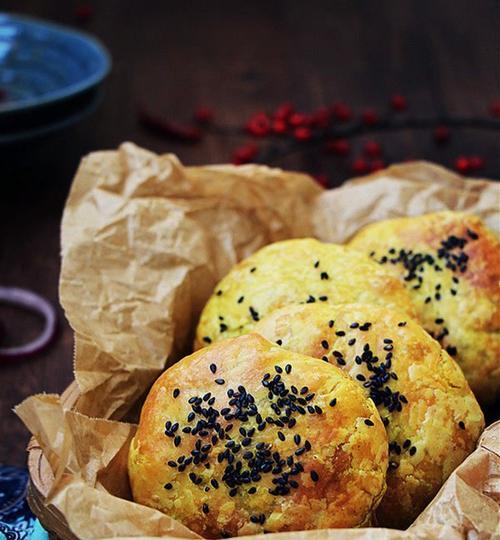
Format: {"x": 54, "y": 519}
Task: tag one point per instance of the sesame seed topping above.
{"x": 218, "y": 293}
{"x": 252, "y": 270}
{"x": 213, "y": 368}
{"x": 333, "y": 402}
{"x": 340, "y": 333}
{"x": 402, "y": 323}
{"x": 324, "y": 275}
{"x": 176, "y": 393}
{"x": 331, "y": 323}
{"x": 316, "y": 264}
{"x": 314, "y": 476}
{"x": 413, "y": 451}
{"x": 368, "y": 422}
{"x": 205, "y": 508}
{"x": 288, "y": 368}
{"x": 219, "y": 381}
{"x": 168, "y": 486}
{"x": 325, "y": 344}
{"x": 461, "y": 425}
{"x": 206, "y": 339}
{"x": 351, "y": 342}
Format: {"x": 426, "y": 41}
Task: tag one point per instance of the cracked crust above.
{"x": 348, "y": 445}
{"x": 441, "y": 419}
{"x": 293, "y": 272}
{"x": 469, "y": 301}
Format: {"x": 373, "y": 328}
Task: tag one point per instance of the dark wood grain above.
{"x": 238, "y": 58}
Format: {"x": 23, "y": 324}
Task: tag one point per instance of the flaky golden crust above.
{"x": 293, "y": 272}
{"x": 435, "y": 419}
{"x": 458, "y": 297}
{"x": 342, "y": 449}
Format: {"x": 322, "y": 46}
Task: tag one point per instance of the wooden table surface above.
{"x": 238, "y": 58}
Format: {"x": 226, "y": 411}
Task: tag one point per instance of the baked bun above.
{"x": 295, "y": 272}
{"x": 244, "y": 437}
{"x": 432, "y": 418}
{"x": 450, "y": 264}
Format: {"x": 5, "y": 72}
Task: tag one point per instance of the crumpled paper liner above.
{"x": 144, "y": 240}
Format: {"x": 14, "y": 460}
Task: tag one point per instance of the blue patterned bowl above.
{"x": 42, "y": 63}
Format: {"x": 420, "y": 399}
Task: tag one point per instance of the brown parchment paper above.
{"x": 144, "y": 240}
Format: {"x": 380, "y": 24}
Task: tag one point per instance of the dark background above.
{"x": 238, "y": 58}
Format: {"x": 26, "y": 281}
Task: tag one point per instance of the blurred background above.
{"x": 373, "y": 83}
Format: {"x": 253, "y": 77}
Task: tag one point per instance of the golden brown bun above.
{"x": 342, "y": 449}
{"x": 460, "y": 302}
{"x": 295, "y": 272}
{"x": 435, "y": 419}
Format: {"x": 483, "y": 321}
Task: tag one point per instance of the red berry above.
{"x": 359, "y": 166}
{"x": 370, "y": 117}
{"x": 376, "y": 165}
{"x": 284, "y": 111}
{"x": 84, "y": 12}
{"x": 322, "y": 117}
{"x": 259, "y": 125}
{"x": 298, "y": 119}
{"x": 476, "y": 163}
{"x": 342, "y": 112}
{"x": 462, "y": 164}
{"x": 245, "y": 154}
{"x": 204, "y": 115}
{"x": 442, "y": 134}
{"x": 322, "y": 179}
{"x": 279, "y": 126}
{"x": 340, "y": 147}
{"x": 302, "y": 133}
{"x": 398, "y": 102}
{"x": 495, "y": 108}
{"x": 372, "y": 149}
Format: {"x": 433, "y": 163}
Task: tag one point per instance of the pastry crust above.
{"x": 455, "y": 285}
{"x": 332, "y": 476}
{"x": 432, "y": 418}
{"x": 294, "y": 272}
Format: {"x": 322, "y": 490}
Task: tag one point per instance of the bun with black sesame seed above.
{"x": 295, "y": 272}
{"x": 432, "y": 418}
{"x": 281, "y": 443}
{"x": 450, "y": 264}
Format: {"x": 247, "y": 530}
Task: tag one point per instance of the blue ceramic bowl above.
{"x": 42, "y": 63}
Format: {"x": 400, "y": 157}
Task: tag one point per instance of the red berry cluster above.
{"x": 330, "y": 127}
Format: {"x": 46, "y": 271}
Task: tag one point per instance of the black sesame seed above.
{"x": 351, "y": 342}
{"x": 213, "y": 368}
{"x": 354, "y": 325}
{"x": 278, "y": 369}
{"x": 461, "y": 425}
{"x": 428, "y": 299}
{"x": 472, "y": 234}
{"x": 252, "y": 490}
{"x": 310, "y": 409}
{"x": 206, "y": 339}
{"x": 218, "y": 293}
{"x": 255, "y": 519}
{"x": 304, "y": 390}
{"x": 172, "y": 464}
{"x": 219, "y": 381}
{"x": 318, "y": 409}
{"x": 314, "y": 476}
{"x": 252, "y": 270}
{"x": 223, "y": 327}
{"x": 176, "y": 393}
{"x": 407, "y": 444}
{"x": 341, "y": 362}
{"x": 324, "y": 275}
{"x": 331, "y": 323}
{"x": 177, "y": 440}
{"x": 168, "y": 486}
{"x": 402, "y": 323}
{"x": 360, "y": 377}
{"x": 325, "y": 344}
{"x": 205, "y": 508}
{"x": 240, "y": 299}
{"x": 281, "y": 435}
{"x": 288, "y": 368}
{"x": 279, "y": 342}
{"x": 340, "y": 333}
{"x": 333, "y": 402}
{"x": 368, "y": 422}
{"x": 316, "y": 264}
{"x": 413, "y": 451}
{"x": 323, "y": 298}
{"x": 439, "y": 321}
